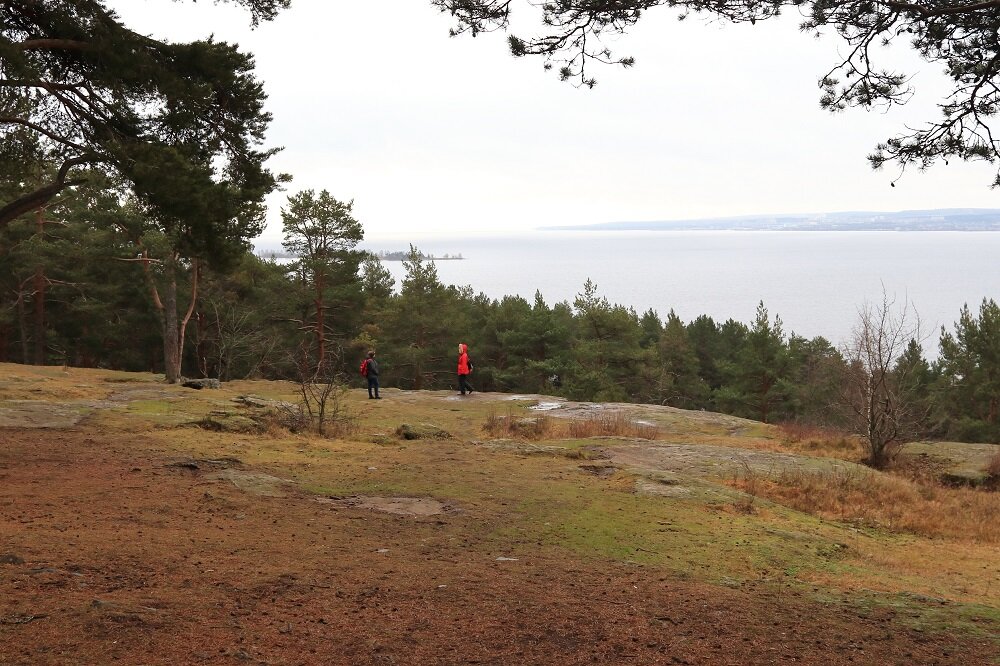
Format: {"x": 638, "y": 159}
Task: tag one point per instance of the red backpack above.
{"x": 364, "y": 368}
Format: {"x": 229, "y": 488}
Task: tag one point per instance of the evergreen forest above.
{"x": 90, "y": 280}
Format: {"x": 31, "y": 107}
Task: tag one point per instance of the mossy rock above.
{"x": 422, "y": 431}
{"x": 226, "y": 422}
{"x": 205, "y": 383}
{"x": 956, "y": 463}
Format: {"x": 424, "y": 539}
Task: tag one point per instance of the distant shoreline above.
{"x": 947, "y": 219}
{"x": 788, "y": 228}
{"x": 384, "y": 256}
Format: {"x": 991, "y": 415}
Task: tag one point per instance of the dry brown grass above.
{"x": 517, "y": 427}
{"x": 747, "y": 479}
{"x": 993, "y": 467}
{"x": 280, "y": 421}
{"x": 534, "y": 427}
{"x": 884, "y": 501}
{"x": 611, "y": 424}
{"x": 819, "y": 441}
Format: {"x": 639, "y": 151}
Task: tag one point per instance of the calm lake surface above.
{"x": 814, "y": 280}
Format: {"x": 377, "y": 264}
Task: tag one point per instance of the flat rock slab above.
{"x": 660, "y": 416}
{"x": 403, "y": 506}
{"x": 255, "y": 483}
{"x": 68, "y": 413}
{"x": 715, "y": 461}
{"x": 958, "y": 462}
{"x": 42, "y": 414}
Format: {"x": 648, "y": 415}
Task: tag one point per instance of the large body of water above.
{"x": 814, "y": 280}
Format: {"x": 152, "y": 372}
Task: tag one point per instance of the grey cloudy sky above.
{"x": 374, "y": 102}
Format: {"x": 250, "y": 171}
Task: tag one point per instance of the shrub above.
{"x": 285, "y": 417}
{"x": 993, "y": 468}
{"x": 821, "y": 441}
{"x": 422, "y": 431}
{"x": 746, "y": 480}
{"x": 611, "y": 424}
{"x": 517, "y": 427}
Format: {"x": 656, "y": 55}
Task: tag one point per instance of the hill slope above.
{"x": 146, "y": 523}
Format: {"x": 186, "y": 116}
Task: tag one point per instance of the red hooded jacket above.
{"x": 464, "y": 362}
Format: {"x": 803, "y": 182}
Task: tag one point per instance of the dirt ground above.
{"x": 115, "y": 549}
{"x": 114, "y": 556}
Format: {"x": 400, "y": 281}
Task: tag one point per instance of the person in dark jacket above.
{"x": 371, "y": 367}
{"x": 464, "y": 369}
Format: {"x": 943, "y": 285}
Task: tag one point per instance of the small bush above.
{"x": 281, "y": 419}
{"x": 821, "y": 441}
{"x": 515, "y": 427}
{"x": 746, "y": 480}
{"x": 993, "y": 468}
{"x": 421, "y": 431}
{"x": 611, "y": 424}
{"x": 795, "y": 432}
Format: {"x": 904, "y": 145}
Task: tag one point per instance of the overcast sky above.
{"x": 374, "y": 102}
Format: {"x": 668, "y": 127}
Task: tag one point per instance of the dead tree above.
{"x": 874, "y": 384}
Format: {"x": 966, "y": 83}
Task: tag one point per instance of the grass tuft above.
{"x": 747, "y": 479}
{"x": 993, "y": 468}
{"x": 517, "y": 427}
{"x": 611, "y": 424}
{"x": 821, "y": 441}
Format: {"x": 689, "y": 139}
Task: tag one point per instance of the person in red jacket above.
{"x": 464, "y": 369}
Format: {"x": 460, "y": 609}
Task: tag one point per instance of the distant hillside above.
{"x": 942, "y": 219}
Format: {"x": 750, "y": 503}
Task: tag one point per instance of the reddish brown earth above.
{"x": 113, "y": 556}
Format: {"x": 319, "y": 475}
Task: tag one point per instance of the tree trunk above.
{"x": 171, "y": 346}
{"x": 173, "y": 329}
{"x": 39, "y": 296}
{"x": 201, "y": 344}
{"x": 4, "y": 342}
{"x": 320, "y": 323}
{"x": 418, "y": 366}
{"x": 38, "y": 318}
{"x": 182, "y": 328}
{"x": 22, "y": 322}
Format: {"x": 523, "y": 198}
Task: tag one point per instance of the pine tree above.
{"x": 179, "y": 125}
{"x": 756, "y": 388}
{"x": 609, "y": 362}
{"x": 678, "y": 383}
{"x": 420, "y": 322}
{"x": 323, "y": 234}
{"x": 969, "y": 386}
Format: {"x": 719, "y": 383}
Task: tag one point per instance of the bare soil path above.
{"x": 112, "y": 552}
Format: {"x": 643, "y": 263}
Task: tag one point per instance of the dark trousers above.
{"x": 463, "y": 384}
{"x": 372, "y": 385}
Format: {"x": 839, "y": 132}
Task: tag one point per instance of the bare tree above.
{"x": 236, "y": 343}
{"x": 874, "y": 390}
{"x": 323, "y": 393}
